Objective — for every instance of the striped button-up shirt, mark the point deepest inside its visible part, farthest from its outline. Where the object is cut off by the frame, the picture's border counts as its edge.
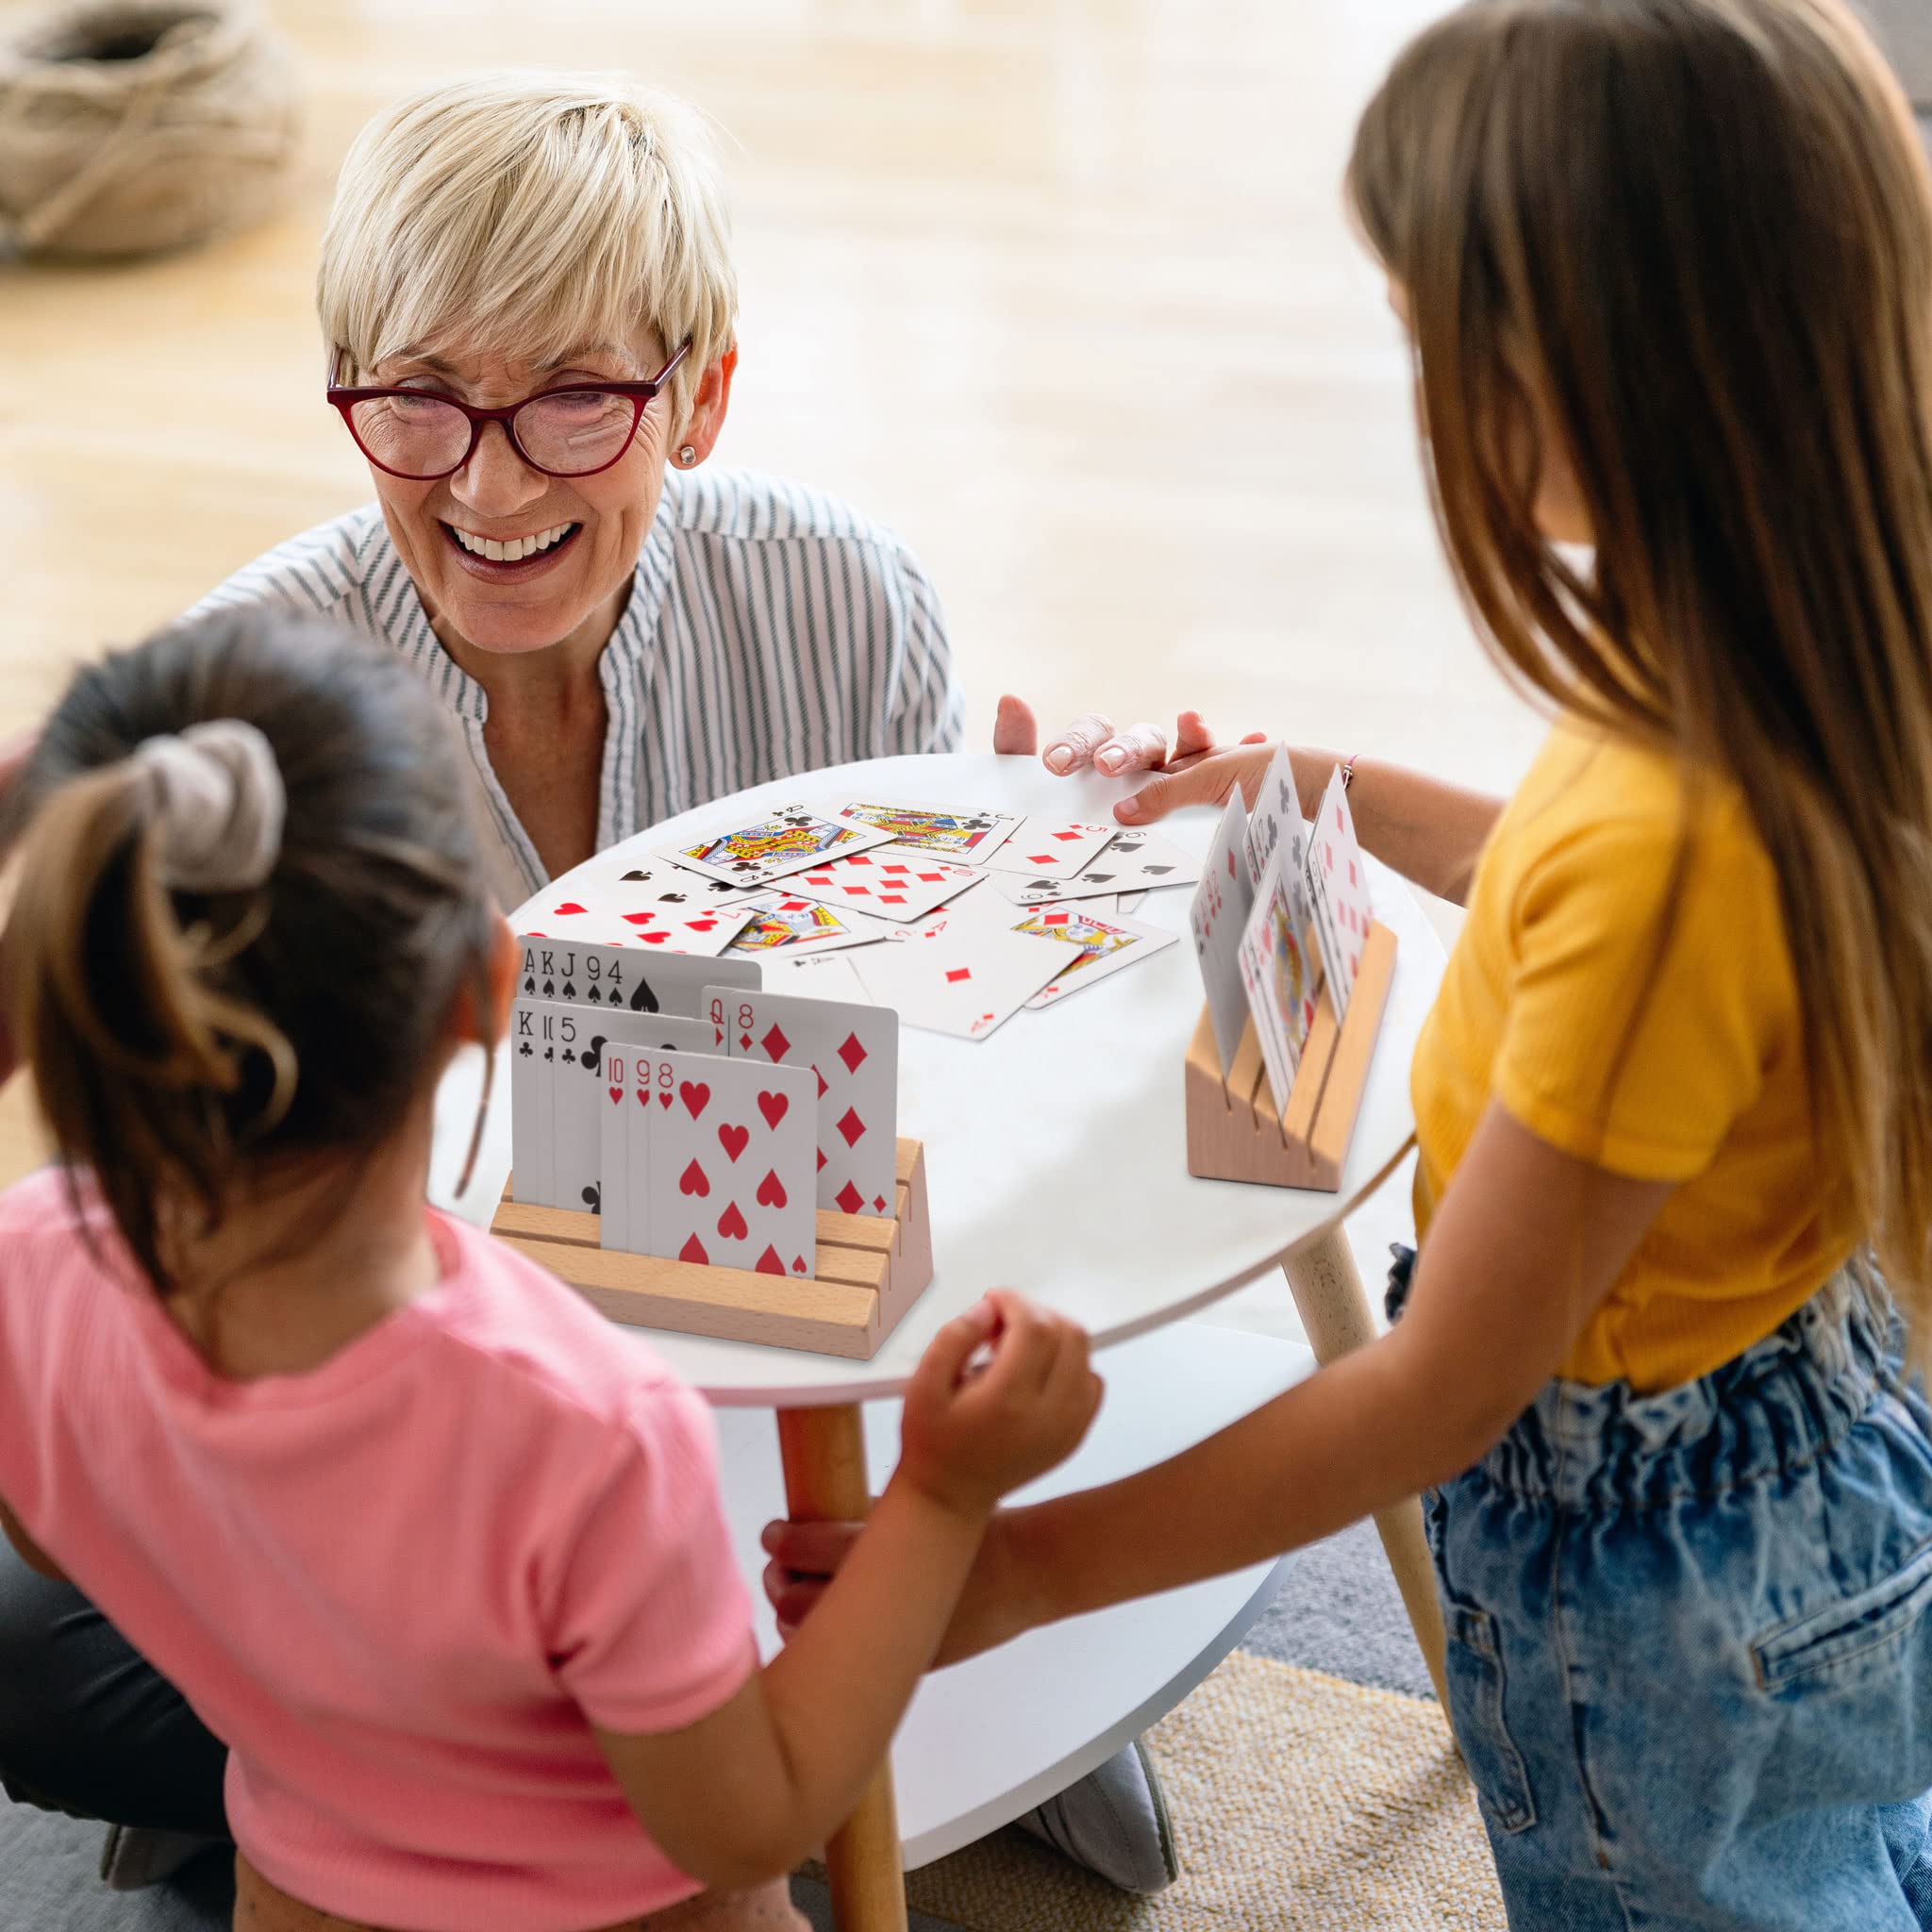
(770, 631)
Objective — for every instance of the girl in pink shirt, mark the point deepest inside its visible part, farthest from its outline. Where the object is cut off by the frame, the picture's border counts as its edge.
(435, 1552)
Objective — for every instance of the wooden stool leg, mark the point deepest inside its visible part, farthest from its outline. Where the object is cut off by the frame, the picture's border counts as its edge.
(824, 1450)
(1328, 1297)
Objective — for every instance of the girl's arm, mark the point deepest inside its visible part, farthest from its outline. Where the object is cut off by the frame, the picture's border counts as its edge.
(747, 1792)
(1500, 1295)
(1427, 830)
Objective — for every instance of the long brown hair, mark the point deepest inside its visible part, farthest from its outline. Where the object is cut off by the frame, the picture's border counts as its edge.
(190, 1046)
(1692, 240)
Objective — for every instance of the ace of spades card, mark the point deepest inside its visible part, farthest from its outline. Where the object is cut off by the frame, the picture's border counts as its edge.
(853, 1052)
(617, 975)
(1276, 815)
(724, 1155)
(1223, 902)
(792, 839)
(1278, 972)
(966, 837)
(1338, 882)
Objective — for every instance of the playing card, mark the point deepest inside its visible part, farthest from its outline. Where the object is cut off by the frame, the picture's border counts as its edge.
(582, 1036)
(1223, 902)
(1277, 813)
(854, 1054)
(791, 925)
(651, 905)
(893, 882)
(531, 1166)
(1338, 882)
(1278, 971)
(733, 1154)
(1101, 945)
(625, 1204)
(1052, 848)
(792, 839)
(1134, 863)
(960, 974)
(622, 977)
(967, 835)
(818, 976)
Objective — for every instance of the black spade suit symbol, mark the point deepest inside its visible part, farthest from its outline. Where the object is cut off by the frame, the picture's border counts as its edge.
(629, 876)
(671, 899)
(570, 988)
(1155, 872)
(549, 989)
(643, 1000)
(530, 985)
(595, 998)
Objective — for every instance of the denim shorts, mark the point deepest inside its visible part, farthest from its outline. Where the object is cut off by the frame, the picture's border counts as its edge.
(1689, 1663)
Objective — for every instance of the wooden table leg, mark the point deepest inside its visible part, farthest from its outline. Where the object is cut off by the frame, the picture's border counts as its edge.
(824, 1450)
(1329, 1296)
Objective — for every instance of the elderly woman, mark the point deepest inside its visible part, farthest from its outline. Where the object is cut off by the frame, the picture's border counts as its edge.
(528, 304)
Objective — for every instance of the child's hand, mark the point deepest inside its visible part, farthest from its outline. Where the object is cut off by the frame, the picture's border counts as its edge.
(1001, 1394)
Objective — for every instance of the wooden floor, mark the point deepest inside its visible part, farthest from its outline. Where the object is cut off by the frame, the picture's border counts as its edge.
(1061, 289)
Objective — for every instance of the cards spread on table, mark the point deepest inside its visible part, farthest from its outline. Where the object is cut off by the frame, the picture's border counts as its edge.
(964, 836)
(1278, 972)
(1132, 862)
(792, 839)
(853, 1052)
(1223, 902)
(895, 882)
(1101, 946)
(1053, 848)
(1338, 882)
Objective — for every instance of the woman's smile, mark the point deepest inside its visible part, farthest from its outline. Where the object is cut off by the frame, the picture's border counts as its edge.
(510, 557)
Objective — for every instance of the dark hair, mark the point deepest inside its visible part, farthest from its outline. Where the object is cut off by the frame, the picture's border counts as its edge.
(184, 1042)
(1692, 239)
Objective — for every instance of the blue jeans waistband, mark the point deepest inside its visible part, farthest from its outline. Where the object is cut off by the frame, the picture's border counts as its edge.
(1777, 1407)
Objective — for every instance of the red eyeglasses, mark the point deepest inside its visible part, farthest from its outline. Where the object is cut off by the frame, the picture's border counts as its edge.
(421, 435)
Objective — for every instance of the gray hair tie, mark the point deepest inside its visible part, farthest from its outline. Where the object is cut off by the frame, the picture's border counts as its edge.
(218, 802)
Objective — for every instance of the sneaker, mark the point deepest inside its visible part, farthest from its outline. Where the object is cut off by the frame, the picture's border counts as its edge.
(133, 1857)
(1114, 1821)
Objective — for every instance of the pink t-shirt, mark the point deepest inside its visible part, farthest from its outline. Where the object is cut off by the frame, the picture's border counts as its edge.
(400, 1587)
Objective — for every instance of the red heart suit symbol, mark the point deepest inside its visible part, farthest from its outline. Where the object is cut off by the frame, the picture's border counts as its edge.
(638, 918)
(769, 1263)
(616, 1094)
(771, 1191)
(692, 1181)
(731, 1224)
(695, 1095)
(694, 1250)
(569, 906)
(733, 1138)
(654, 939)
(774, 1106)
(663, 1098)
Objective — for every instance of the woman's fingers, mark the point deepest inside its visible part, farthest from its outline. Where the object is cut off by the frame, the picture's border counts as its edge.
(1015, 729)
(1139, 748)
(1073, 749)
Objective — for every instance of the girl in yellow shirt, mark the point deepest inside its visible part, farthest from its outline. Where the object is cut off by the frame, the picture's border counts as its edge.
(1667, 265)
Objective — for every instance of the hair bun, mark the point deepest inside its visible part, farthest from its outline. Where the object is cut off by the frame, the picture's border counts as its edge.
(218, 802)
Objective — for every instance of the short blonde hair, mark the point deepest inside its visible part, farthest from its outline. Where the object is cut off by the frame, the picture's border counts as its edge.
(527, 215)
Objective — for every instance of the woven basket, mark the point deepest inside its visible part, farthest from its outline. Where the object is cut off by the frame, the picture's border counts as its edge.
(128, 128)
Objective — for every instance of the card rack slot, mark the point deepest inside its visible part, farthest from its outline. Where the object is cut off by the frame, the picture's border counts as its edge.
(867, 1271)
(1235, 1130)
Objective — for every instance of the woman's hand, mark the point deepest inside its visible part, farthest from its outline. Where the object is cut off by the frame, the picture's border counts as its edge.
(1000, 1396)
(1092, 742)
(993, 1608)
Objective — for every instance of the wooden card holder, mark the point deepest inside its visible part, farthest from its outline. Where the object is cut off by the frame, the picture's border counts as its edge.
(1235, 1131)
(867, 1272)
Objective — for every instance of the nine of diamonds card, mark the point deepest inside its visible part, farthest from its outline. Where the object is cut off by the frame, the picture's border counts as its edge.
(894, 882)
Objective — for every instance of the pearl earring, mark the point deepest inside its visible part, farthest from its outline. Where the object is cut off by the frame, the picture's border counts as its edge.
(687, 454)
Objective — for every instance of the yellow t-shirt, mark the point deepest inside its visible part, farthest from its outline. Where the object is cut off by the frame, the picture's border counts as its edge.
(1570, 947)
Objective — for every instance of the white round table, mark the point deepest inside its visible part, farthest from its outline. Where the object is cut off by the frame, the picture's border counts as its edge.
(1056, 1162)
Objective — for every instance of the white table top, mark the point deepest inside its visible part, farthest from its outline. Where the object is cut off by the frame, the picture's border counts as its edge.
(1055, 1148)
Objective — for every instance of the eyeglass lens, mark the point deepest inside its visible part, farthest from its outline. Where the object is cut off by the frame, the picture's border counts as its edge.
(569, 433)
